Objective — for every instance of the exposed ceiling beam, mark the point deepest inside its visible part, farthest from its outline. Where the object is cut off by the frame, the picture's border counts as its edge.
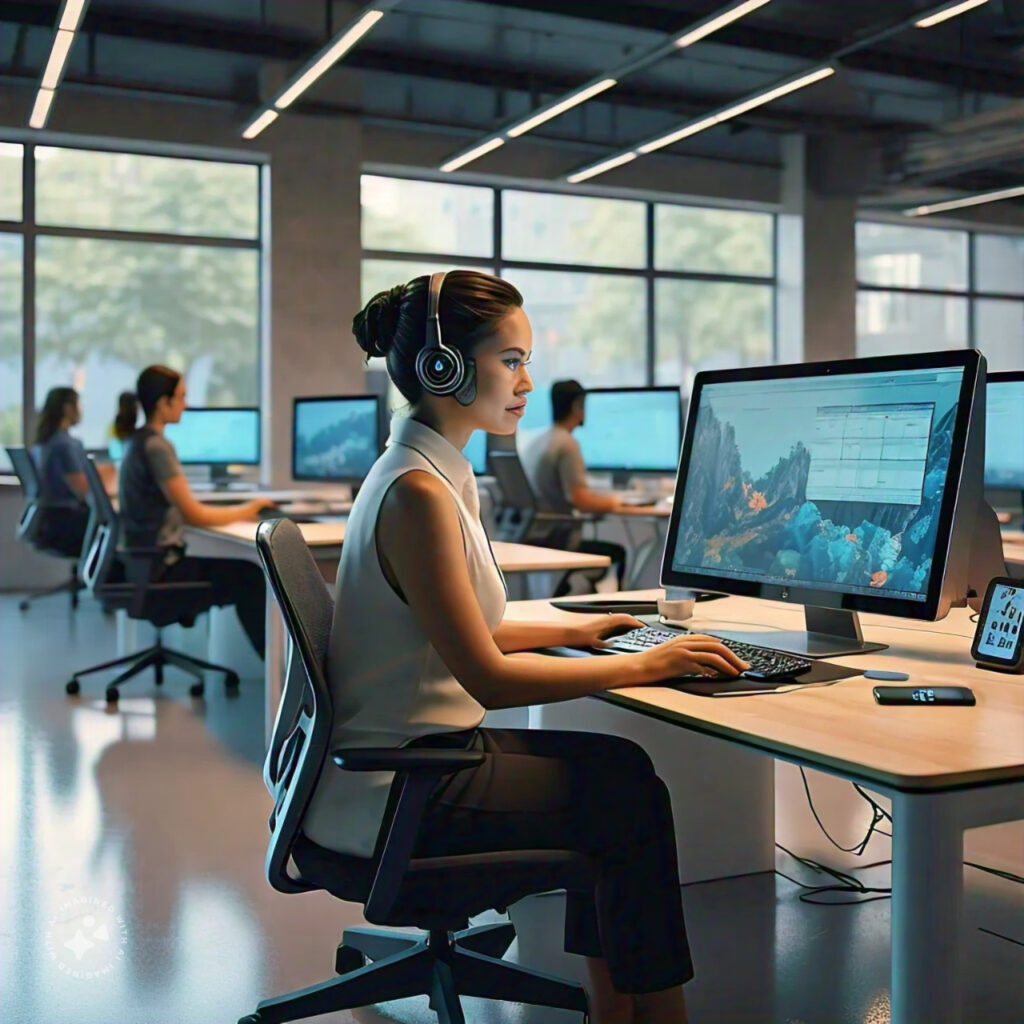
(198, 33)
(981, 75)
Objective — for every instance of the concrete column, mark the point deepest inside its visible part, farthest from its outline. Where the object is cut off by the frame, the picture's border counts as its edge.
(314, 272)
(817, 259)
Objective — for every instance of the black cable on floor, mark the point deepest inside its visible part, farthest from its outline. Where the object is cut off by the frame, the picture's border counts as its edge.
(999, 935)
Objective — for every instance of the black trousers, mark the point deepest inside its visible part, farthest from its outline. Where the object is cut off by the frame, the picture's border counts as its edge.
(62, 529)
(592, 793)
(234, 582)
(616, 552)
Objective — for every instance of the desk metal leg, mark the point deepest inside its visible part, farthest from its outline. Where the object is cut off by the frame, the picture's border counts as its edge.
(927, 904)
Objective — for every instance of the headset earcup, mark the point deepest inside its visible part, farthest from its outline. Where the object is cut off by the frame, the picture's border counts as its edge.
(440, 370)
(466, 393)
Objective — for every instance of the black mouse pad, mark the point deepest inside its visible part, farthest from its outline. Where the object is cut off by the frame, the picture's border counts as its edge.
(819, 672)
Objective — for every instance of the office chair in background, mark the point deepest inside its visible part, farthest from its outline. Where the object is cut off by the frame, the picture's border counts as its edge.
(121, 578)
(30, 529)
(395, 888)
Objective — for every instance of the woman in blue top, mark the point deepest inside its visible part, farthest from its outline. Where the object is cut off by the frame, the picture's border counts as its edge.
(63, 486)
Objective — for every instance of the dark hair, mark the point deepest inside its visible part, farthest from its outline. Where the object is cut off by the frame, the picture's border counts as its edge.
(394, 323)
(57, 400)
(154, 383)
(127, 415)
(563, 394)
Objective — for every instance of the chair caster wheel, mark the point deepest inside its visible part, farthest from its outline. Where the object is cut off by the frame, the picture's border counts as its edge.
(112, 694)
(196, 690)
(348, 959)
(231, 682)
(73, 687)
(24, 606)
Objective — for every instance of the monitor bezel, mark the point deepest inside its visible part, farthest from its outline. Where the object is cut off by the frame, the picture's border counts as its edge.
(665, 471)
(1002, 377)
(227, 408)
(969, 359)
(310, 399)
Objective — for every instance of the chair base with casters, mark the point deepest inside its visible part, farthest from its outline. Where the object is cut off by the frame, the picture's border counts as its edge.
(73, 585)
(378, 966)
(155, 657)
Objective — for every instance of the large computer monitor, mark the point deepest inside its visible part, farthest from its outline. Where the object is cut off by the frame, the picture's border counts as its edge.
(216, 437)
(1004, 431)
(840, 486)
(632, 430)
(335, 438)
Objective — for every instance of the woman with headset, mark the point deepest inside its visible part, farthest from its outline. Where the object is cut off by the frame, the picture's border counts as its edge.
(419, 650)
(156, 504)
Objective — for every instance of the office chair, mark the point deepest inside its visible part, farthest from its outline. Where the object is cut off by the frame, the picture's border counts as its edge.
(433, 894)
(121, 578)
(523, 517)
(31, 524)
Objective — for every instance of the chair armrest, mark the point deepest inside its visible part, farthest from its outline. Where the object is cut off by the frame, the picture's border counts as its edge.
(387, 759)
(418, 772)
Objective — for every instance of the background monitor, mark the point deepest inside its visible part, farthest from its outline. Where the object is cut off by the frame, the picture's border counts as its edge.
(831, 485)
(1004, 431)
(335, 438)
(632, 430)
(476, 452)
(216, 437)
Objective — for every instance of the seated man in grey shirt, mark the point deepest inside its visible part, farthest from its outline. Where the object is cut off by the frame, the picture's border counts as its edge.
(553, 463)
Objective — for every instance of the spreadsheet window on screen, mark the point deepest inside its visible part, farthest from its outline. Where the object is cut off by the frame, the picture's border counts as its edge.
(829, 483)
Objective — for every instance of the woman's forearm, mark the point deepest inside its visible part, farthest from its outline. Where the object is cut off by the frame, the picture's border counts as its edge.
(512, 636)
(529, 678)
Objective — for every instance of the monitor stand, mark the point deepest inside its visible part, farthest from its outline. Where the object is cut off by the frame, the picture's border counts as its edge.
(830, 633)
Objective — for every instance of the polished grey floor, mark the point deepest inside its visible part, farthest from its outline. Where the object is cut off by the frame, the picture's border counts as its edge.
(132, 888)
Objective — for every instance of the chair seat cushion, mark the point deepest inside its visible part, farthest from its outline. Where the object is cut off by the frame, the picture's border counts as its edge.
(442, 892)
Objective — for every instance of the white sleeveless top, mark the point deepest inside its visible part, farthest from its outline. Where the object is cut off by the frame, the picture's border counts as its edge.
(387, 682)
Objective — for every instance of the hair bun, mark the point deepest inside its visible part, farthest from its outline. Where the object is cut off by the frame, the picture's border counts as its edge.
(375, 326)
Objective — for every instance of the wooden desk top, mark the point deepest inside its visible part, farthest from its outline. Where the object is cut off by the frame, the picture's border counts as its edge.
(840, 726)
(643, 511)
(511, 557)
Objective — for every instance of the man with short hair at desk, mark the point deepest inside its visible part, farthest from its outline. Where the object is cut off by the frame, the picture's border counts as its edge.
(553, 463)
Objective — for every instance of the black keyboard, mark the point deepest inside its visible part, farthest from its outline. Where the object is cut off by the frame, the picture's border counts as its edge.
(765, 663)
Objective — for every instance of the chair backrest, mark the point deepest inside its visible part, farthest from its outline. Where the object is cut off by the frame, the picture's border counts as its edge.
(99, 553)
(28, 476)
(302, 728)
(515, 487)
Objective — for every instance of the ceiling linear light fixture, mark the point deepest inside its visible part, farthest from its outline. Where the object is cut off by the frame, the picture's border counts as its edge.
(597, 86)
(952, 11)
(320, 63)
(471, 154)
(64, 36)
(258, 123)
(41, 108)
(703, 123)
(975, 200)
(717, 21)
(570, 101)
(596, 169)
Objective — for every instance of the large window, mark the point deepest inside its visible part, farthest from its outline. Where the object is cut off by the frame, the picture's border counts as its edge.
(618, 291)
(138, 259)
(923, 288)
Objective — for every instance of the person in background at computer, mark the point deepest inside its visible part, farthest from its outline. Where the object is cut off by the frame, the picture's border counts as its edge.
(553, 463)
(156, 503)
(63, 485)
(127, 416)
(419, 650)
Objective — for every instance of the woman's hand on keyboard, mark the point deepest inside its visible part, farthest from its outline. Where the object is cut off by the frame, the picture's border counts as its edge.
(691, 653)
(601, 627)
